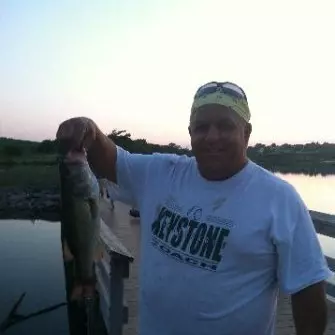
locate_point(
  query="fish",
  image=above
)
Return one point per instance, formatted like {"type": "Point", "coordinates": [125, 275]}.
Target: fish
{"type": "Point", "coordinates": [80, 220]}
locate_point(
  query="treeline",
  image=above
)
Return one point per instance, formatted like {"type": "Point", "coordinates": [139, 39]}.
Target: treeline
{"type": "Point", "coordinates": [18, 148]}
{"type": "Point", "coordinates": [308, 158]}
{"type": "Point", "coordinates": [13, 147]}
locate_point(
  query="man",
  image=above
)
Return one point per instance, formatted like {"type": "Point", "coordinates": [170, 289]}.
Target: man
{"type": "Point", "coordinates": [106, 191]}
{"type": "Point", "coordinates": [220, 234]}
{"type": "Point", "coordinates": [115, 193]}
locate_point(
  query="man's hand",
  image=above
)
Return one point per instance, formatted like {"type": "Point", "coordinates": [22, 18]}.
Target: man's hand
{"type": "Point", "coordinates": [309, 309]}
{"type": "Point", "coordinates": [81, 133]}
{"type": "Point", "coordinates": [76, 134]}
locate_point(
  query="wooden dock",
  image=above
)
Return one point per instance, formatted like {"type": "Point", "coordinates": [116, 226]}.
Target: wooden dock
{"type": "Point", "coordinates": [127, 229]}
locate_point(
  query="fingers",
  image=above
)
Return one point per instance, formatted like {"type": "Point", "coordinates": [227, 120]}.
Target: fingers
{"type": "Point", "coordinates": [78, 135]}
{"type": "Point", "coordinates": [88, 136]}
{"type": "Point", "coordinates": [74, 134]}
{"type": "Point", "coordinates": [66, 130]}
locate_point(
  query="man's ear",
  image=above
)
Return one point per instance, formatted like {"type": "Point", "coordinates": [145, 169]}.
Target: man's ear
{"type": "Point", "coordinates": [247, 131]}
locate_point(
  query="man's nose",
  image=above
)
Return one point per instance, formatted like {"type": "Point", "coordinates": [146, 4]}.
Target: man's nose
{"type": "Point", "coordinates": [213, 134]}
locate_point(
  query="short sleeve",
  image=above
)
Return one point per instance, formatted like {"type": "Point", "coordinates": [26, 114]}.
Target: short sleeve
{"type": "Point", "coordinates": [301, 261]}
{"type": "Point", "coordinates": [134, 171]}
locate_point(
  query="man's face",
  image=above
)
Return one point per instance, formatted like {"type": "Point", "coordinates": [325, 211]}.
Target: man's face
{"type": "Point", "coordinates": [219, 139]}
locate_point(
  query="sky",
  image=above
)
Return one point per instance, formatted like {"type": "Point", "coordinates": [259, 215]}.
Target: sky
{"type": "Point", "coordinates": [136, 65]}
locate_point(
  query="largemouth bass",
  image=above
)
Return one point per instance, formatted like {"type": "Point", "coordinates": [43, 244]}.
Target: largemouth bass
{"type": "Point", "coordinates": [80, 220]}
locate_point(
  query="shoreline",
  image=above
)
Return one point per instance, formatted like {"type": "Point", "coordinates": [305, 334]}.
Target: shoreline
{"type": "Point", "coordinates": [30, 203]}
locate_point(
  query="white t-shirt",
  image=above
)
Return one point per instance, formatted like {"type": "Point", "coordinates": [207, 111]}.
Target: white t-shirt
{"type": "Point", "coordinates": [215, 252]}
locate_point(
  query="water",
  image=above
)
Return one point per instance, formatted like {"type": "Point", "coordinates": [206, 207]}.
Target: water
{"type": "Point", "coordinates": [318, 192]}
{"type": "Point", "coordinates": [31, 262]}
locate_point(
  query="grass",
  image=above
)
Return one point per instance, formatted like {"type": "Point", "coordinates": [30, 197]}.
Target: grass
{"type": "Point", "coordinates": [40, 171]}
{"type": "Point", "coordinates": [24, 176]}
{"type": "Point", "coordinates": [29, 160]}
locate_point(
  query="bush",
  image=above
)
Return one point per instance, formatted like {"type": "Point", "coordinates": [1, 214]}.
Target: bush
{"type": "Point", "coordinates": [12, 151]}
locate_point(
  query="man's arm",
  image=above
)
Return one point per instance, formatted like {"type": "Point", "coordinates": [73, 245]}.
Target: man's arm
{"type": "Point", "coordinates": [302, 266]}
{"type": "Point", "coordinates": [102, 155]}
{"type": "Point", "coordinates": [130, 171]}
{"type": "Point", "coordinates": [309, 309]}
{"type": "Point", "coordinates": [108, 161]}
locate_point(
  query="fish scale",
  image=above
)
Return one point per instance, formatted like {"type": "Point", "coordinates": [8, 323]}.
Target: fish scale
{"type": "Point", "coordinates": [80, 215]}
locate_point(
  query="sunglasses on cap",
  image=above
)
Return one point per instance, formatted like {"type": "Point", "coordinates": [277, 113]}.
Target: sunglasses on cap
{"type": "Point", "coordinates": [226, 87]}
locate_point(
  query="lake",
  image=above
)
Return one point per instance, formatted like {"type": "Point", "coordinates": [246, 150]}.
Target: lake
{"type": "Point", "coordinates": [31, 260]}
{"type": "Point", "coordinates": [318, 192]}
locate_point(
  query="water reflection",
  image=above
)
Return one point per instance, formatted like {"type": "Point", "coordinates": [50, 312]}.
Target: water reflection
{"type": "Point", "coordinates": [318, 191]}
{"type": "Point", "coordinates": [14, 317]}
{"type": "Point", "coordinates": [316, 168]}
{"type": "Point", "coordinates": [328, 245]}
{"type": "Point", "coordinates": [31, 262]}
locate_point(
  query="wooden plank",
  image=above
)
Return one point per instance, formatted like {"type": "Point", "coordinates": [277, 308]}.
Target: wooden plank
{"type": "Point", "coordinates": [117, 311]}
{"type": "Point", "coordinates": [331, 263]}
{"type": "Point", "coordinates": [285, 322]}
{"type": "Point", "coordinates": [112, 244]}
{"type": "Point", "coordinates": [103, 274]}
{"type": "Point", "coordinates": [103, 287]}
{"type": "Point", "coordinates": [111, 270]}
{"type": "Point", "coordinates": [324, 223]}
{"type": "Point", "coordinates": [104, 304]}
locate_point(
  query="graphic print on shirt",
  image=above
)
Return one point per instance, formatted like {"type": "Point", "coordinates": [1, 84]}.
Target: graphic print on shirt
{"type": "Point", "coordinates": [194, 213]}
{"type": "Point", "coordinates": [191, 239]}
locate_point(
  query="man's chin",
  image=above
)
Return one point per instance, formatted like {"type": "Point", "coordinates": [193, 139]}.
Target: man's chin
{"type": "Point", "coordinates": [216, 168]}
{"type": "Point", "coordinates": [213, 171]}
{"type": "Point", "coordinates": [213, 161]}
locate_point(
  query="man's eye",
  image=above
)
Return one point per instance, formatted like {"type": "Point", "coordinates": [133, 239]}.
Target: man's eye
{"type": "Point", "coordinates": [201, 127]}
{"type": "Point", "coordinates": [226, 126]}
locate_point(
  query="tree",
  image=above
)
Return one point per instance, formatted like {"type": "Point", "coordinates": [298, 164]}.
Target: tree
{"type": "Point", "coordinates": [12, 151]}
{"type": "Point", "coordinates": [47, 147]}
{"type": "Point", "coordinates": [119, 134]}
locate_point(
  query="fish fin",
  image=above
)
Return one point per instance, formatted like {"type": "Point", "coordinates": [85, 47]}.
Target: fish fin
{"type": "Point", "coordinates": [98, 253]}
{"type": "Point", "coordinates": [67, 254]}
{"type": "Point", "coordinates": [77, 292]}
{"type": "Point", "coordinates": [80, 292]}
{"type": "Point", "coordinates": [89, 291]}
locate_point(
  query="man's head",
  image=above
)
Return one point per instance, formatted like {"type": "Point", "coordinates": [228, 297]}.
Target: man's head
{"type": "Point", "coordinates": [220, 129]}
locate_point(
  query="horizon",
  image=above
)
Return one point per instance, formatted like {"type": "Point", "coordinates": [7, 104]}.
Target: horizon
{"type": "Point", "coordinates": [187, 146]}
{"type": "Point", "coordinates": [136, 66]}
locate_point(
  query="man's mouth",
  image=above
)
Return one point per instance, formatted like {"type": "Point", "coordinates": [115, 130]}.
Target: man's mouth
{"type": "Point", "coordinates": [215, 152]}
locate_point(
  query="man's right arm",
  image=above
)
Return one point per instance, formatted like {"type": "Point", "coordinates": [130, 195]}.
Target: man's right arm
{"type": "Point", "coordinates": [131, 172]}
{"type": "Point", "coordinates": [128, 171]}
{"type": "Point", "coordinates": [102, 157]}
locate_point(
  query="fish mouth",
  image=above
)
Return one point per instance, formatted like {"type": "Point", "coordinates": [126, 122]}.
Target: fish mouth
{"type": "Point", "coordinates": [75, 157]}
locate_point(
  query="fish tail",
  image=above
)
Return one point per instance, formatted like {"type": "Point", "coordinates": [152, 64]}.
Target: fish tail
{"type": "Point", "coordinates": [83, 289]}
{"type": "Point", "coordinates": [89, 290]}
{"type": "Point", "coordinates": [77, 292]}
